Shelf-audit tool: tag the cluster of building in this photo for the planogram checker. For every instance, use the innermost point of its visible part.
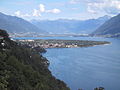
(59, 43)
(56, 45)
(46, 44)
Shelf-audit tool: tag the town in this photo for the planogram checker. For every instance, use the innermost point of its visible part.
(54, 43)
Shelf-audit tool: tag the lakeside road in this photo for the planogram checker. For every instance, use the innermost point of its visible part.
(55, 43)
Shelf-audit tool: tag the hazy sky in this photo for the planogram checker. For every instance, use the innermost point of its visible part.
(56, 9)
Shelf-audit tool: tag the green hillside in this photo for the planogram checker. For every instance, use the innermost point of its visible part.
(23, 68)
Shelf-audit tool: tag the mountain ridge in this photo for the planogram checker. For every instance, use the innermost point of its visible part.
(110, 28)
(61, 26)
(15, 24)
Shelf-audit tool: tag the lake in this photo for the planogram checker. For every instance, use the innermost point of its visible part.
(87, 67)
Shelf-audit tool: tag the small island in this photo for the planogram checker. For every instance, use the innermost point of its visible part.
(55, 43)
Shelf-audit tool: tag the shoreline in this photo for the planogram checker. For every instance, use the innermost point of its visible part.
(35, 44)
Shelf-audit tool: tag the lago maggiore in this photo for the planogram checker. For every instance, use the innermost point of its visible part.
(85, 67)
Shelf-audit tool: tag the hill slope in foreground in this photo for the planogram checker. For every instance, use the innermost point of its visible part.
(23, 68)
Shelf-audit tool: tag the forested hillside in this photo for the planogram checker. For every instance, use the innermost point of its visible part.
(23, 68)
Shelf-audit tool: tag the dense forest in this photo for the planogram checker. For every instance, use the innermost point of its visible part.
(23, 68)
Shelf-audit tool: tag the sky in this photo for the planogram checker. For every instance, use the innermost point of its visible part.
(60, 9)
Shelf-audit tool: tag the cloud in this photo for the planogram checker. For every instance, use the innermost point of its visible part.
(97, 6)
(19, 14)
(36, 13)
(42, 8)
(53, 11)
(91, 10)
(107, 6)
(26, 15)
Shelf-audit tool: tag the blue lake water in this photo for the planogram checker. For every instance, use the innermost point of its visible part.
(89, 67)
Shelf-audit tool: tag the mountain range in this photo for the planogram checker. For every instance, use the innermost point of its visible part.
(110, 28)
(15, 24)
(102, 26)
(62, 26)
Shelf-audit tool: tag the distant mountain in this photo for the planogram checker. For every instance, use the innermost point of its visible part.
(110, 28)
(70, 26)
(14, 24)
(56, 26)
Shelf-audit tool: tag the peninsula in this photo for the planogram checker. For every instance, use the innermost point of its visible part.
(55, 43)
